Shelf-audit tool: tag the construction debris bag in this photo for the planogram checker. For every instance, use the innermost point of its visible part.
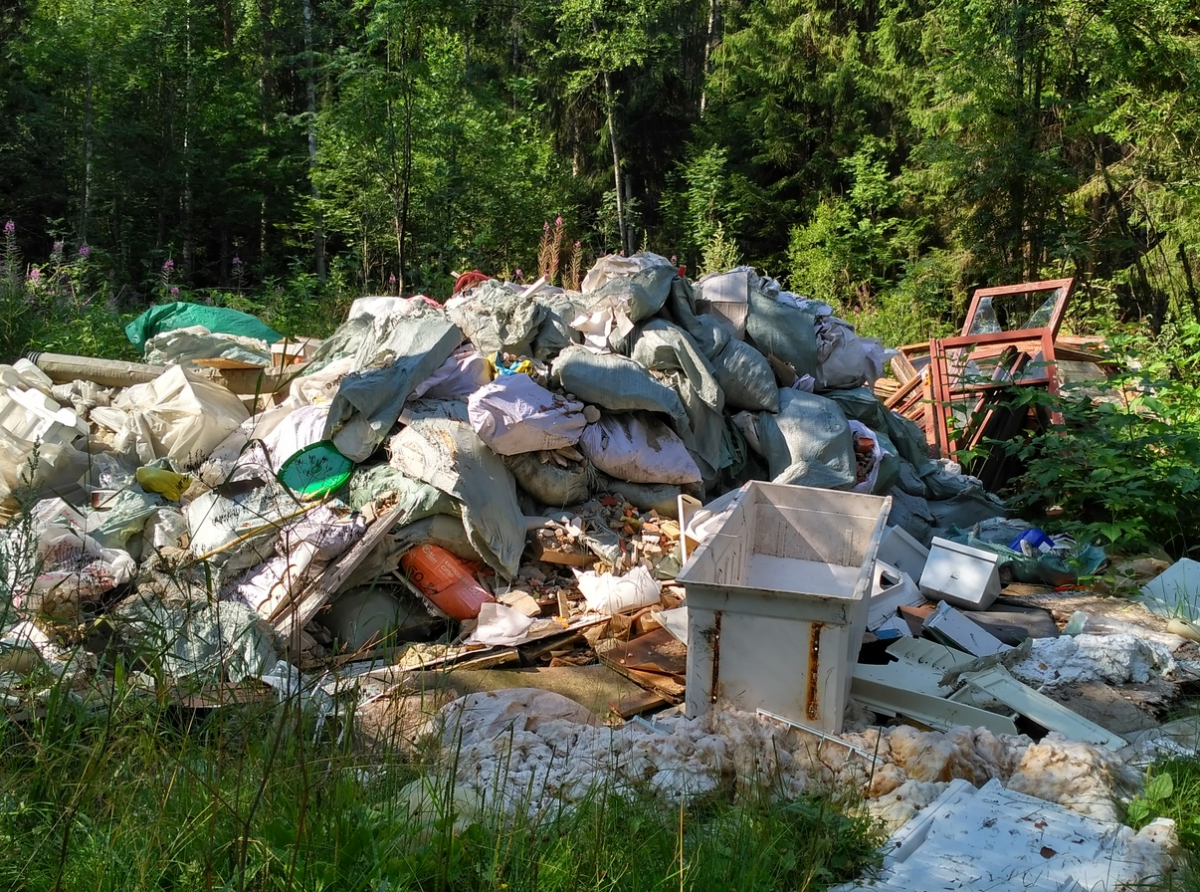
(612, 266)
(639, 449)
(70, 567)
(398, 353)
(666, 348)
(860, 404)
(367, 484)
(439, 447)
(615, 382)
(844, 360)
(182, 314)
(662, 346)
(555, 333)
(173, 416)
(550, 484)
(783, 331)
(808, 443)
(298, 429)
(885, 466)
(497, 319)
(457, 378)
(966, 508)
(213, 643)
(515, 414)
(746, 377)
(635, 297)
(660, 497)
(911, 513)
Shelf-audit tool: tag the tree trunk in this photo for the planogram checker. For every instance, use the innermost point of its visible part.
(311, 89)
(612, 135)
(189, 87)
(710, 42)
(86, 196)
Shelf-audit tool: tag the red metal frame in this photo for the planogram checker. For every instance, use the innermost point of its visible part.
(944, 393)
(1024, 288)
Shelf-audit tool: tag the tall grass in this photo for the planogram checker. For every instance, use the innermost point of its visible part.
(135, 793)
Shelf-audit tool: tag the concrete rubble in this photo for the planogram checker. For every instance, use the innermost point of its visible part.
(518, 493)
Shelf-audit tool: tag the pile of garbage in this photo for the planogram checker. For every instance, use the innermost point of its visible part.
(518, 477)
(523, 427)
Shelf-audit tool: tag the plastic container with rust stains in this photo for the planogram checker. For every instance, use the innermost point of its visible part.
(442, 578)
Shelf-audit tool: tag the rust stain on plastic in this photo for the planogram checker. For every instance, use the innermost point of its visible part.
(812, 703)
(715, 642)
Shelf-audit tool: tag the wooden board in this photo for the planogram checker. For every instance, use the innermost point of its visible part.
(598, 688)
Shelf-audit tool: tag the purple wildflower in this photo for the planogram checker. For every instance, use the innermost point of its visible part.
(84, 250)
(35, 275)
(237, 261)
(10, 226)
(168, 266)
(545, 227)
(58, 246)
(175, 292)
(674, 259)
(392, 279)
(520, 274)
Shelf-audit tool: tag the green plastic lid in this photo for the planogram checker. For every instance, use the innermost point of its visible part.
(315, 470)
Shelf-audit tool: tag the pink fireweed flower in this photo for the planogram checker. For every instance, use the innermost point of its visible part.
(168, 266)
(175, 292)
(58, 246)
(35, 275)
(237, 261)
(84, 250)
(10, 226)
(558, 222)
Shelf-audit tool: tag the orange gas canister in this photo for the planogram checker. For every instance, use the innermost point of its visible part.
(442, 578)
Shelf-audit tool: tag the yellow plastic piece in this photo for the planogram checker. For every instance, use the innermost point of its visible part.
(166, 483)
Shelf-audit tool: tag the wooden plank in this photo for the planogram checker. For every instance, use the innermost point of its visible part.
(903, 369)
(299, 607)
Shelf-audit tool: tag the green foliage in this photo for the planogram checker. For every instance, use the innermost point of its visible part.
(1122, 467)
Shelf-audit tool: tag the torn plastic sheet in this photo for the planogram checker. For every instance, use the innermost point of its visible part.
(208, 642)
(398, 353)
(186, 345)
(439, 447)
(173, 416)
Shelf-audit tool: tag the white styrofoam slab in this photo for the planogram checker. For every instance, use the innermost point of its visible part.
(995, 839)
(1175, 592)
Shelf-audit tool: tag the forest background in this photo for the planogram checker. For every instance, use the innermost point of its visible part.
(887, 156)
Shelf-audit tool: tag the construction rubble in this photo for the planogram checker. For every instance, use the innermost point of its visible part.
(663, 532)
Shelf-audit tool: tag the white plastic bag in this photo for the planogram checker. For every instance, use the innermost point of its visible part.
(178, 417)
(515, 414)
(877, 452)
(638, 449)
(606, 593)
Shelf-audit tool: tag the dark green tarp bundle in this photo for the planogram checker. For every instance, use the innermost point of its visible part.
(181, 314)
